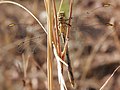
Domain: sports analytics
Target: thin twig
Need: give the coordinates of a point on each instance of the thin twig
(109, 78)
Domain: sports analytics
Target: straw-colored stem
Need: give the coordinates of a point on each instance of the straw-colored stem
(48, 4)
(56, 26)
(106, 82)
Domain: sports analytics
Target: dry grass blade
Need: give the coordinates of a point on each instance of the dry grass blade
(25, 68)
(109, 78)
(57, 41)
(57, 56)
(17, 4)
(25, 64)
(60, 76)
(48, 5)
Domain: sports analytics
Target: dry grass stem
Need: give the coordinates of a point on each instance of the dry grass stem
(109, 78)
(56, 34)
(57, 56)
(60, 76)
(48, 4)
(25, 64)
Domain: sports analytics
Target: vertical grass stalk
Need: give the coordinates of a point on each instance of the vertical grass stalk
(48, 4)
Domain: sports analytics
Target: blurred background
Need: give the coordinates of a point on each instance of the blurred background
(94, 45)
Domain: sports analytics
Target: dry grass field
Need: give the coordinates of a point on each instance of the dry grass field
(94, 46)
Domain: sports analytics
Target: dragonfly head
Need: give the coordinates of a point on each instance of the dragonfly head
(61, 15)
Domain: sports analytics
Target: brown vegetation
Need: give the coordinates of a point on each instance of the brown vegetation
(94, 46)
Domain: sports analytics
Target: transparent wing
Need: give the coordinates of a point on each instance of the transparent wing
(87, 22)
(24, 36)
(26, 39)
(92, 20)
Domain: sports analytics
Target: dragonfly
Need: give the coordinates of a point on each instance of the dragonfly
(35, 38)
(80, 20)
(63, 25)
